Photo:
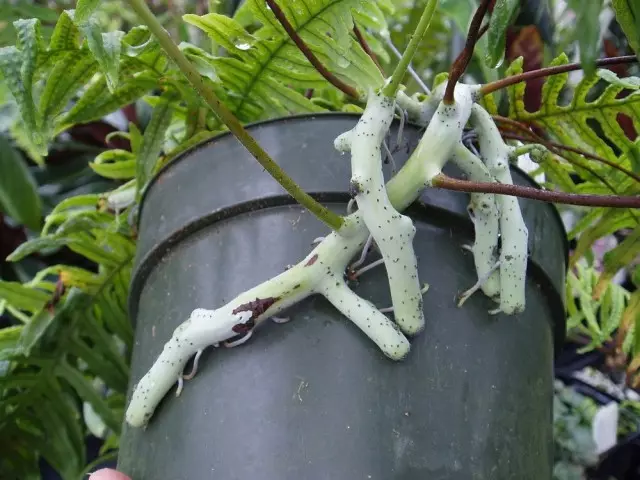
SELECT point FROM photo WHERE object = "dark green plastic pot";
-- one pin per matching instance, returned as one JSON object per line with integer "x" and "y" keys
{"x": 314, "y": 398}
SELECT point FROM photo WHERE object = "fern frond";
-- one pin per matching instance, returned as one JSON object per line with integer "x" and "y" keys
{"x": 583, "y": 122}
{"x": 588, "y": 121}
{"x": 265, "y": 71}
{"x": 46, "y": 383}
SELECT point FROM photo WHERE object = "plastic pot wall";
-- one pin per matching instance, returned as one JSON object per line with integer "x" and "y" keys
{"x": 314, "y": 398}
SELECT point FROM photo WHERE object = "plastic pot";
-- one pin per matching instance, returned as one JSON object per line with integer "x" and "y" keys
{"x": 314, "y": 398}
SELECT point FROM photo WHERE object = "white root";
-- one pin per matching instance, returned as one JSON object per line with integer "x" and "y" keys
{"x": 368, "y": 267}
{"x": 203, "y": 328}
{"x": 322, "y": 270}
{"x": 513, "y": 231}
{"x": 194, "y": 369}
{"x": 280, "y": 320}
{"x": 392, "y": 231}
{"x": 384, "y": 333}
{"x": 484, "y": 214}
{"x": 435, "y": 148}
{"x": 424, "y": 290}
{"x": 390, "y": 157}
{"x": 323, "y": 266}
{"x": 363, "y": 255}
{"x": 236, "y": 343}
{"x": 478, "y": 285}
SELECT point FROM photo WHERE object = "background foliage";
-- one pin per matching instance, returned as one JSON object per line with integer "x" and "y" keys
{"x": 90, "y": 108}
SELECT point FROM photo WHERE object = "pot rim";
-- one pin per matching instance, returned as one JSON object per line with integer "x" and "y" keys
{"x": 144, "y": 265}
{"x": 312, "y": 116}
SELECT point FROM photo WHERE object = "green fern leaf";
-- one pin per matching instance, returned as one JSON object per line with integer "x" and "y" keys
{"x": 11, "y": 62}
{"x": 116, "y": 164}
{"x": 571, "y": 124}
{"x": 106, "y": 47}
{"x": 18, "y": 66}
{"x": 628, "y": 16}
{"x": 65, "y": 36}
{"x": 85, "y": 8}
{"x": 97, "y": 101}
{"x": 142, "y": 65}
{"x": 21, "y": 297}
{"x": 588, "y": 122}
{"x": 263, "y": 66}
{"x": 153, "y": 141}
{"x": 69, "y": 74}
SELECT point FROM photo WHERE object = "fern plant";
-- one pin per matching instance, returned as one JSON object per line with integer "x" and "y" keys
{"x": 68, "y": 350}
{"x": 597, "y": 151}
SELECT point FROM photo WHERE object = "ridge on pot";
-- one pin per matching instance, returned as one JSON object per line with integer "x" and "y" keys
{"x": 313, "y": 398}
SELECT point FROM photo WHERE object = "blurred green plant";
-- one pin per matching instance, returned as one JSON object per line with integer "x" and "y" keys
{"x": 573, "y": 413}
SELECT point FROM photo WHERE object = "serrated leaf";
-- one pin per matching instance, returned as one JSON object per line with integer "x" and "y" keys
{"x": 24, "y": 141}
{"x": 18, "y": 189}
{"x": 503, "y": 15}
{"x": 97, "y": 101}
{"x": 611, "y": 309}
{"x": 65, "y": 36}
{"x": 63, "y": 407}
{"x": 11, "y": 62}
{"x": 263, "y": 65}
{"x": 84, "y": 9}
{"x": 152, "y": 141}
{"x": 21, "y": 297}
{"x": 632, "y": 156}
{"x": 196, "y": 139}
{"x": 84, "y": 221}
{"x": 66, "y": 78}
{"x": 106, "y": 48}
{"x": 628, "y": 16}
{"x": 70, "y": 276}
{"x": 30, "y": 44}
{"x": 584, "y": 123}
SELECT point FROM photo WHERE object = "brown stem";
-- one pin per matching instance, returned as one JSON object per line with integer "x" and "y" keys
{"x": 482, "y": 31}
{"x": 460, "y": 64}
{"x": 516, "y": 124}
{"x": 553, "y": 146}
{"x": 570, "y": 160}
{"x": 365, "y": 46}
{"x": 322, "y": 70}
{"x": 443, "y": 181}
{"x": 545, "y": 72}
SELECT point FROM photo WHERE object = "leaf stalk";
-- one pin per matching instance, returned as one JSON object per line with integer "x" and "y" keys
{"x": 225, "y": 115}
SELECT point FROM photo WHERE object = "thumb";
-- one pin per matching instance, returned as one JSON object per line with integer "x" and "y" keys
{"x": 108, "y": 474}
